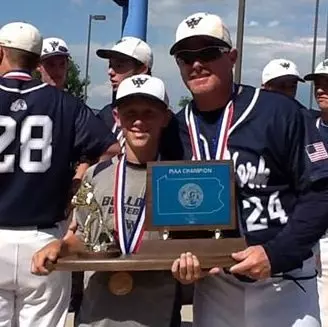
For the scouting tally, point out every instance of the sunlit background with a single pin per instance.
(273, 29)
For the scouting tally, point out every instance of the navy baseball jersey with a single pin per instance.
(42, 131)
(106, 115)
(323, 129)
(276, 150)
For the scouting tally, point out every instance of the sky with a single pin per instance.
(273, 29)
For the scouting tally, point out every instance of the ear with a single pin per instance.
(2, 54)
(143, 70)
(233, 56)
(116, 117)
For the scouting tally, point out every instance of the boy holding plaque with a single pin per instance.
(118, 186)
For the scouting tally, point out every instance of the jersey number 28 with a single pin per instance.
(27, 144)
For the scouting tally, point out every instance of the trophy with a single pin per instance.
(181, 196)
(105, 244)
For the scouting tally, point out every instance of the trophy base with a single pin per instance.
(158, 255)
(90, 255)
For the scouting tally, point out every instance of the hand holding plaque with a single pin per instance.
(105, 244)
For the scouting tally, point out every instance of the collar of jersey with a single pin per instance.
(322, 123)
(14, 73)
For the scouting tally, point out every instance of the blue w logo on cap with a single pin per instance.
(285, 65)
(193, 22)
(138, 82)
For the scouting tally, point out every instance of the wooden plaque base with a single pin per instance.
(158, 255)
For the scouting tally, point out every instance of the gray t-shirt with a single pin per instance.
(150, 303)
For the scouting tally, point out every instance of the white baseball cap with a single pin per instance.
(22, 36)
(202, 24)
(53, 46)
(278, 68)
(321, 69)
(142, 85)
(131, 47)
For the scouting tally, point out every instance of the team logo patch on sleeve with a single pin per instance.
(316, 152)
(18, 105)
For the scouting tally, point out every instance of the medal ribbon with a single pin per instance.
(18, 75)
(128, 244)
(222, 138)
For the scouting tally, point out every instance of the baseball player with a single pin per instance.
(54, 62)
(136, 298)
(320, 79)
(281, 75)
(43, 130)
(129, 56)
(281, 169)
(53, 67)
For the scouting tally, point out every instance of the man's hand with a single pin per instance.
(50, 252)
(187, 270)
(253, 263)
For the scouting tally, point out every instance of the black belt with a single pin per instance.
(285, 276)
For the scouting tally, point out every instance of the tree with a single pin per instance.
(75, 85)
(184, 100)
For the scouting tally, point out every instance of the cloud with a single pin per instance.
(253, 23)
(101, 90)
(273, 23)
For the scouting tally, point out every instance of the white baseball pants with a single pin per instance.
(27, 300)
(227, 302)
(323, 281)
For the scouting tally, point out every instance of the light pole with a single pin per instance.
(314, 50)
(326, 48)
(91, 17)
(240, 39)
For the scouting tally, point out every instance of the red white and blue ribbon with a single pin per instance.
(128, 244)
(18, 75)
(222, 138)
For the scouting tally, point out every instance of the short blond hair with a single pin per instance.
(22, 59)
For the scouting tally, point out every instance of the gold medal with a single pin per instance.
(120, 283)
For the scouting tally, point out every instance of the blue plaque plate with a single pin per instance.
(195, 195)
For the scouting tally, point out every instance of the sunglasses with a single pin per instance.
(207, 54)
(284, 85)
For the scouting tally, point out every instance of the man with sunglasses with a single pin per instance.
(320, 79)
(281, 171)
(281, 75)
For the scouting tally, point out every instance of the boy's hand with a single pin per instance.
(187, 270)
(50, 252)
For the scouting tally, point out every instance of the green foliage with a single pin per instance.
(36, 74)
(75, 85)
(184, 100)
